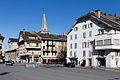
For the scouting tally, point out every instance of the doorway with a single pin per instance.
(102, 61)
(90, 62)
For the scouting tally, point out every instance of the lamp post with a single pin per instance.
(32, 56)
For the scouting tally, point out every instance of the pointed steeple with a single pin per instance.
(43, 28)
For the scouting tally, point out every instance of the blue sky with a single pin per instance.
(16, 15)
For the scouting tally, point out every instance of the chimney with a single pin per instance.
(97, 13)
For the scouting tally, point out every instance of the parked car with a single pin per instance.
(9, 62)
(70, 65)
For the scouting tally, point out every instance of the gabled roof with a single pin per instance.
(13, 40)
(40, 36)
(26, 36)
(108, 19)
(1, 37)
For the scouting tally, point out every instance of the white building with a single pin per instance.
(12, 52)
(94, 40)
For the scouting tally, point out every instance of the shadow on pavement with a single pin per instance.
(4, 73)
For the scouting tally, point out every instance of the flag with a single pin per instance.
(91, 46)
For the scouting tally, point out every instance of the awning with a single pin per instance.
(73, 58)
(100, 57)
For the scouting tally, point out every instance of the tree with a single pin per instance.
(60, 55)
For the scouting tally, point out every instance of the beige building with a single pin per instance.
(29, 46)
(42, 46)
(12, 52)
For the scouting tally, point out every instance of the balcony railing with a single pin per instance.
(107, 41)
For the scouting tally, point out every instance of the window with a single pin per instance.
(116, 62)
(101, 31)
(84, 35)
(90, 33)
(70, 46)
(107, 41)
(70, 53)
(91, 25)
(43, 53)
(75, 45)
(43, 47)
(75, 36)
(85, 45)
(116, 41)
(82, 44)
(85, 26)
(88, 44)
(75, 54)
(99, 42)
(37, 44)
(70, 37)
(84, 54)
(43, 41)
(9, 46)
(33, 44)
(116, 53)
(90, 53)
(76, 28)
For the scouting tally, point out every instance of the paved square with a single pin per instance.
(21, 73)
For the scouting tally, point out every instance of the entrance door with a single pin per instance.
(102, 61)
(83, 63)
(90, 62)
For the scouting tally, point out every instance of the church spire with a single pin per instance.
(43, 28)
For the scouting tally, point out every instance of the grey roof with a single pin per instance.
(112, 20)
(53, 37)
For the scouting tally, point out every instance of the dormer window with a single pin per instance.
(101, 31)
(76, 29)
(85, 26)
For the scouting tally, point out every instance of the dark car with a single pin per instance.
(70, 65)
(9, 63)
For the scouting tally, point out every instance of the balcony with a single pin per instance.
(37, 47)
(107, 41)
